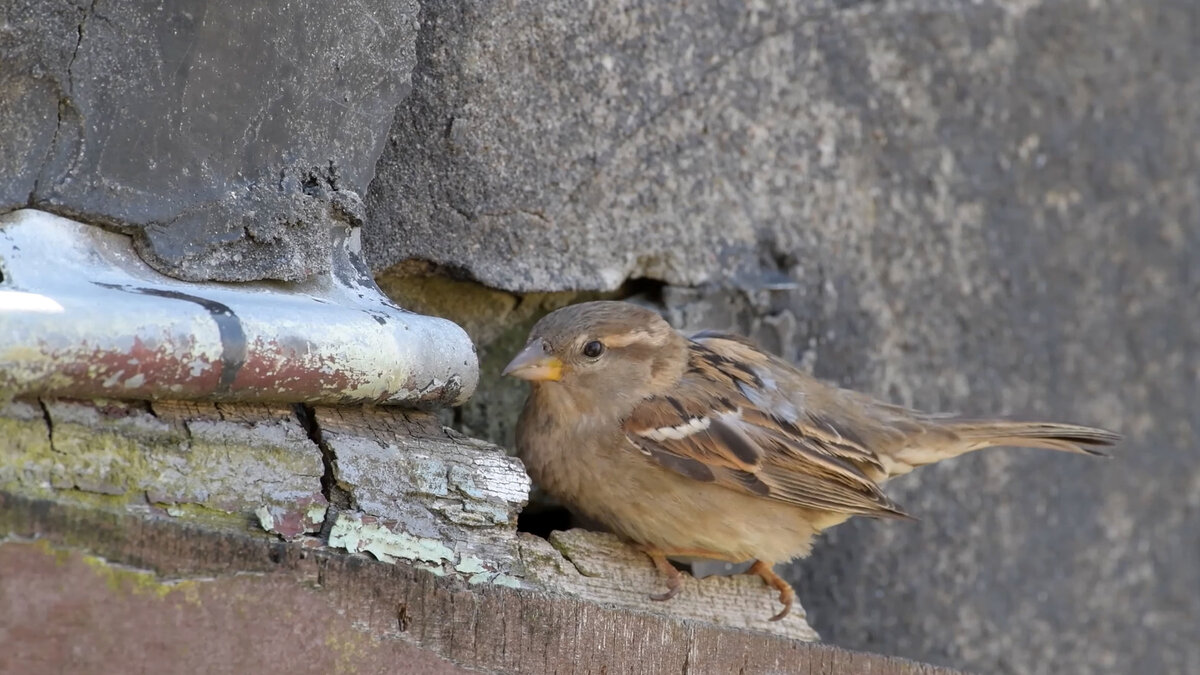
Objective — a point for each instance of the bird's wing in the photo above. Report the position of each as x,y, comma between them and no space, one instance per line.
750,422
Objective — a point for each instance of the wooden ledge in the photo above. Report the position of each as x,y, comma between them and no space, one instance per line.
157,594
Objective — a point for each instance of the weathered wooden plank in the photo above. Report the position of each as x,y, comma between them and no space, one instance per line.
307,610
66,612
600,568
448,500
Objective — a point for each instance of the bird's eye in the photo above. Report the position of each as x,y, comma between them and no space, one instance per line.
593,349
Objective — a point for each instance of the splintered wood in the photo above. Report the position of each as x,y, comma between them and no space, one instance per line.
466,588
599,567
384,458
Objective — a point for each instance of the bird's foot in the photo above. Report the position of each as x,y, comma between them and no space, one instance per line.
673,577
786,595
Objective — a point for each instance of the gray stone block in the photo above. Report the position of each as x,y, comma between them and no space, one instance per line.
215,132
982,207
37,40
688,142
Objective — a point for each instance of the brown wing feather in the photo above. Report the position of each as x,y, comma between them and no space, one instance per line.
728,422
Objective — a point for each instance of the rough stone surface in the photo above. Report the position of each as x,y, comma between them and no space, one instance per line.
988,208
38,42
685,142
232,140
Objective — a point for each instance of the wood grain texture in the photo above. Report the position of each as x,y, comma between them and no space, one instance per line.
460,496
600,568
411,491
461,586
486,628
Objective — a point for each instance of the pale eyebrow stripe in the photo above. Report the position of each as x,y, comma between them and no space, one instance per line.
626,339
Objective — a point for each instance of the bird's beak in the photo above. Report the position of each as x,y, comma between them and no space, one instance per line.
534,364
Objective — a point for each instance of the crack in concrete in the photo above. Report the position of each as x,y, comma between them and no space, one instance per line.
64,101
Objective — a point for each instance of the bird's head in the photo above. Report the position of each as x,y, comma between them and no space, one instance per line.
602,350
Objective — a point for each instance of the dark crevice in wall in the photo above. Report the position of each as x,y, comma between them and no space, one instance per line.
643,289
339,496
540,519
49,421
65,102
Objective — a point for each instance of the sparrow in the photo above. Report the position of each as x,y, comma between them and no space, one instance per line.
706,446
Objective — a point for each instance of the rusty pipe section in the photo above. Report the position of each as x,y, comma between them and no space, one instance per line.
82,316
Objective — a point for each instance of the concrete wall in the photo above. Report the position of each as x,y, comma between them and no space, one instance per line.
980,207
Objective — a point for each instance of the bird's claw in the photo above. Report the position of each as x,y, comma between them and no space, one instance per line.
673,588
786,595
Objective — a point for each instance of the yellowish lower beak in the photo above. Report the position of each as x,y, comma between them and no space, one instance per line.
535,365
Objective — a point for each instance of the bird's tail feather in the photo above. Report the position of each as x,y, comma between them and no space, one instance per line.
978,434
960,436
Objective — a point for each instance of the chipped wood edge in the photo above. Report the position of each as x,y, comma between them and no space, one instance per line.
599,567
486,628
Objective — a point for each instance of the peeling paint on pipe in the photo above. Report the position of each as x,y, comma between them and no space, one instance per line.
82,316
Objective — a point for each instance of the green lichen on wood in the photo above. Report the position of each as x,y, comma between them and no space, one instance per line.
121,579
114,455
201,514
104,461
25,448
350,648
